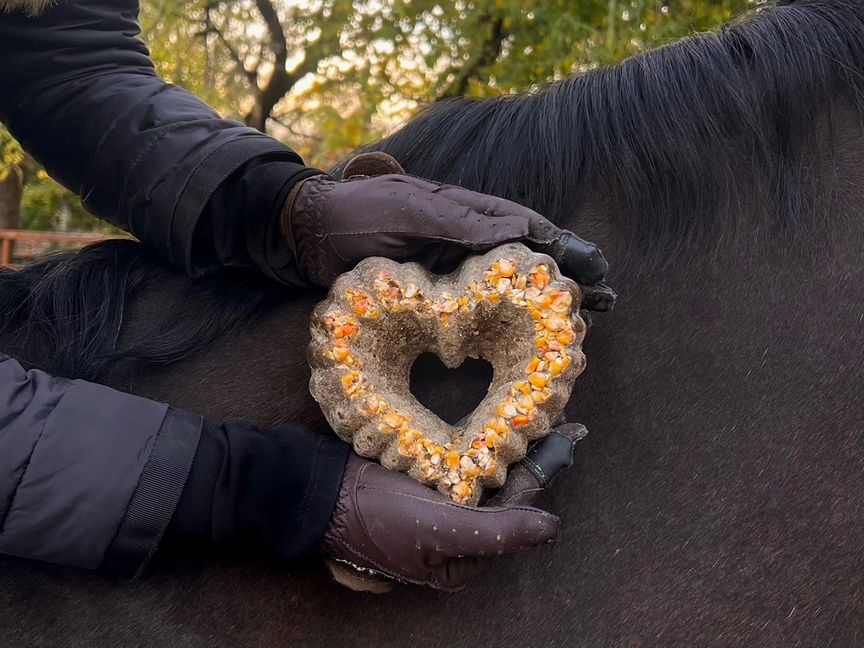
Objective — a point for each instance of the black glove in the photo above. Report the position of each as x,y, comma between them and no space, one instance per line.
332,225
386,524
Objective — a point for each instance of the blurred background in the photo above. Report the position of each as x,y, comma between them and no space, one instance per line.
326,76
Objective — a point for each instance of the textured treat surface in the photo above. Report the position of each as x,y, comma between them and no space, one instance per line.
509,306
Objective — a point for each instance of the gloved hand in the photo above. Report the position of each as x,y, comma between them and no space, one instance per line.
386,522
330,226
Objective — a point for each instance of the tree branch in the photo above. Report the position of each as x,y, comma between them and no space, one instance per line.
251,75
280,82
490,50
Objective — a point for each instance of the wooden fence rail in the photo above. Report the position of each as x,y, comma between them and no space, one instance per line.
7,236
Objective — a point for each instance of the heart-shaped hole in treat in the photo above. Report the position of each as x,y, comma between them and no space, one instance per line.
451,394
510,306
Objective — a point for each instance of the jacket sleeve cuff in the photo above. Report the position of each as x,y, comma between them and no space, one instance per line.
319,498
156,495
206,179
287,483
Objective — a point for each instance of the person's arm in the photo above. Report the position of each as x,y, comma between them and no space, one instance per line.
87,473
251,490
92,477
80,92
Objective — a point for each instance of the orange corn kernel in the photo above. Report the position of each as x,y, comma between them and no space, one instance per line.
506,268
538,380
521,420
350,378
452,460
394,419
561,301
558,365
506,409
556,323
525,403
566,337
540,278
341,354
463,489
541,396
522,387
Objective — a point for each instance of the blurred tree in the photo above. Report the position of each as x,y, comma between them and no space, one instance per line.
328,75
11,180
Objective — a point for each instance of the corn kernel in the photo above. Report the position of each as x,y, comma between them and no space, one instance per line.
539,279
562,301
506,268
556,323
538,380
541,396
394,420
507,410
522,387
526,402
462,489
566,337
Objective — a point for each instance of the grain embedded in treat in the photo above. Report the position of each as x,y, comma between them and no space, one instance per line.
510,306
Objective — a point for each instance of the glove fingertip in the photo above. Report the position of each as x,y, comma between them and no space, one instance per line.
537,527
598,297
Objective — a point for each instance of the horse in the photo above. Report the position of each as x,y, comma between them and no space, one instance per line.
716,500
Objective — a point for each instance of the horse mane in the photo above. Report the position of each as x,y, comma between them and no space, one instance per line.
664,133
64,312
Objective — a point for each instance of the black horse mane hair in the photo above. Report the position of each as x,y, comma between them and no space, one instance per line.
63,313
665,133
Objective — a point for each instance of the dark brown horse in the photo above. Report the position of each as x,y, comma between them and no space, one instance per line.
719,499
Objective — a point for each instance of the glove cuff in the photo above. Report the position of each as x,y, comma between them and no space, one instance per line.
304,227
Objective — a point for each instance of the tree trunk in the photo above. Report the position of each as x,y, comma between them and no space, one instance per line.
11,191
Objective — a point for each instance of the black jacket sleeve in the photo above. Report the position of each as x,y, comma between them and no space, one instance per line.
87,473
79,91
273,490
92,477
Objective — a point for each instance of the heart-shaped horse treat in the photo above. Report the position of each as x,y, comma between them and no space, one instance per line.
510,306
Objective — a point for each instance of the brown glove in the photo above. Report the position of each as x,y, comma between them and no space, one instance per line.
387,523
331,225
